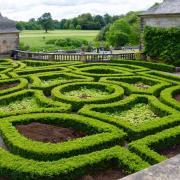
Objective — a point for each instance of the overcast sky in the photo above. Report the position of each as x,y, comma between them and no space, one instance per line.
26,9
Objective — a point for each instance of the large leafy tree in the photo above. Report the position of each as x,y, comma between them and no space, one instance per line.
118,34
46,21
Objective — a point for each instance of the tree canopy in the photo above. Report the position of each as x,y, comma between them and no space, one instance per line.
46,21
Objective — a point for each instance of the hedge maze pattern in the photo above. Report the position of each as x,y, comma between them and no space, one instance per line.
127,109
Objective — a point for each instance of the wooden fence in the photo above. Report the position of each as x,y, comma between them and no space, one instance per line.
70,57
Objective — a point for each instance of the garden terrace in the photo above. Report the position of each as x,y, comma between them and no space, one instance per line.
75,120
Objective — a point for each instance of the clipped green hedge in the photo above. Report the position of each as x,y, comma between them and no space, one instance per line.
102,71
152,65
32,70
38,84
3,76
115,93
127,67
100,135
162,76
169,116
148,147
163,44
19,168
21,84
46,104
127,83
167,96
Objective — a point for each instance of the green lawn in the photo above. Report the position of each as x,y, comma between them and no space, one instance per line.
35,38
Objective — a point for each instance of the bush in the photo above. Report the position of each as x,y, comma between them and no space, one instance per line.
163,44
169,116
147,147
167,96
152,65
114,93
99,135
67,42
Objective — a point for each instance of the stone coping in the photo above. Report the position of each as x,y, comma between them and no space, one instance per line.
166,170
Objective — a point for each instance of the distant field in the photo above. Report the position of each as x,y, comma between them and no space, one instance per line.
35,38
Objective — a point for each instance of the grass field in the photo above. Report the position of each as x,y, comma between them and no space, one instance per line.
36,39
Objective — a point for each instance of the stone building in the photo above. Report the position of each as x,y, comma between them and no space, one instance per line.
166,14
9,35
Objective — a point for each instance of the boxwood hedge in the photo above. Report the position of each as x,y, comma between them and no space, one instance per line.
41,95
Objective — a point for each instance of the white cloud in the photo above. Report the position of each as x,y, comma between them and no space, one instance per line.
26,9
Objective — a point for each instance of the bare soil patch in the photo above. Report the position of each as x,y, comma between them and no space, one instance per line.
7,86
177,97
172,151
48,133
110,174
4,178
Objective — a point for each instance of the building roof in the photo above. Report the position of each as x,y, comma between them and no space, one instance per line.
7,25
166,7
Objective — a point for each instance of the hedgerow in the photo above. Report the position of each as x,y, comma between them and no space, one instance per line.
102,71
38,81
166,113
168,97
45,104
100,135
163,44
19,168
151,65
126,67
24,73
112,104
128,83
115,93
148,147
162,76
20,84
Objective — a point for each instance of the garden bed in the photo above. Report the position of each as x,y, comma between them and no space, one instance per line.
79,121
7,86
171,151
177,97
48,133
109,174
139,113
86,93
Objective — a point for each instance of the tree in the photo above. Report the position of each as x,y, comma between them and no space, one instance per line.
121,25
119,33
107,19
46,21
99,20
78,27
19,26
117,38
71,26
102,34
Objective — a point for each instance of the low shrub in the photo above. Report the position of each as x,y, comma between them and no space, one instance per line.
44,104
167,115
152,85
17,85
115,93
152,65
148,147
19,168
68,43
168,97
100,135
